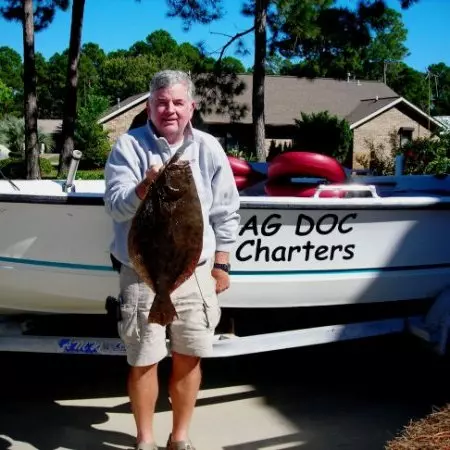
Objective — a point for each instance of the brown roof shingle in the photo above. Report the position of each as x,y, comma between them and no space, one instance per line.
287,96
368,107
122,104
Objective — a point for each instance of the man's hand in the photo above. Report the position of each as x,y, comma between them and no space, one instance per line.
222,280
150,176
153,172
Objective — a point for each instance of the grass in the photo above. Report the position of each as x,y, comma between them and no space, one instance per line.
52,157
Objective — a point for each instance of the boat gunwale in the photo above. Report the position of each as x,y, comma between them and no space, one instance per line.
256,203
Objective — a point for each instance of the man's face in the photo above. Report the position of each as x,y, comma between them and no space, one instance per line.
170,110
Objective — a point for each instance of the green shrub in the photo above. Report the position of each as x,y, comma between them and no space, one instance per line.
46,166
325,134
13,168
90,137
16,155
17,168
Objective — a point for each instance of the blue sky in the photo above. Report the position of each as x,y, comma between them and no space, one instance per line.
115,24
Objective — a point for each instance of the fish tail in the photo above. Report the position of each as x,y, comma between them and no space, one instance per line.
162,311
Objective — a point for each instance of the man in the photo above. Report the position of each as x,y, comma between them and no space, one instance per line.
133,164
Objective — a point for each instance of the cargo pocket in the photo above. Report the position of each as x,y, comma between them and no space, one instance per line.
207,286
127,327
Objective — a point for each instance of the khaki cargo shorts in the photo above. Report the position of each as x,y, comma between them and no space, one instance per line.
191,333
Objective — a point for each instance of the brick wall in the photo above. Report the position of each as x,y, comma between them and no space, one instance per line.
121,123
378,131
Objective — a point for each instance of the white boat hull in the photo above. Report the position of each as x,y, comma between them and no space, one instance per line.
54,250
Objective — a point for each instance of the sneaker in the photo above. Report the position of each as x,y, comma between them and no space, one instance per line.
146,446
178,445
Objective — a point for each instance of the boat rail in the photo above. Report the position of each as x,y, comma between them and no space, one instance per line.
347,188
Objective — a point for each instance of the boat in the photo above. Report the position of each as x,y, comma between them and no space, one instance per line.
384,242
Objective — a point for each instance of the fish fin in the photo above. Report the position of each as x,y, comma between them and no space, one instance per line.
162,311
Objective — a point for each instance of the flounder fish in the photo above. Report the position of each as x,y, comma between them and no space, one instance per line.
166,235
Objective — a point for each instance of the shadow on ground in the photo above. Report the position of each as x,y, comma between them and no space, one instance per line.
341,396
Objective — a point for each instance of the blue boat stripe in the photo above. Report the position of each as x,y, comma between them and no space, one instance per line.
57,264
342,271
94,267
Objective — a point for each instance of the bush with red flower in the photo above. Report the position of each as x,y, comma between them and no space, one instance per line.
427,155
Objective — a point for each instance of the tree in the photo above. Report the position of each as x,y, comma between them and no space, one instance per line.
387,46
6,99
259,73
439,79
158,43
32,20
232,65
70,104
127,76
292,23
360,42
56,71
277,65
11,68
409,83
323,133
90,137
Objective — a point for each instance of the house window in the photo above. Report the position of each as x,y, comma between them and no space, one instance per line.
406,135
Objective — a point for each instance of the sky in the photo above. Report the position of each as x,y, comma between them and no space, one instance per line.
117,24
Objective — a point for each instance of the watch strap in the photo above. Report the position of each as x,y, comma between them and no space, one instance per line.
224,267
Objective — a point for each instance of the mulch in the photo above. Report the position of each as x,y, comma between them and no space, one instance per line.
430,433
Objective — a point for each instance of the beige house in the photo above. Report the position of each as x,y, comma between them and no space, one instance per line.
374,111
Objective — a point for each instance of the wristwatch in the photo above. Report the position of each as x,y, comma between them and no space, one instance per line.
224,267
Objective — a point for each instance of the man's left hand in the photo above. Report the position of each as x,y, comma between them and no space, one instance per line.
222,280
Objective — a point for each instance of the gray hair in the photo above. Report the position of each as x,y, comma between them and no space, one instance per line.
168,78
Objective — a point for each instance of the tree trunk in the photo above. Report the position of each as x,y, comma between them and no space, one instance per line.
30,103
259,73
70,104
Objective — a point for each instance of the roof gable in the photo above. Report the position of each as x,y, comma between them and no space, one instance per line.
287,96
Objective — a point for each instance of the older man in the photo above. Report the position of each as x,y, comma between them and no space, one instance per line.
133,164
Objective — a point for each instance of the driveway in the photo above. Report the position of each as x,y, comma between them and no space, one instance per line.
351,396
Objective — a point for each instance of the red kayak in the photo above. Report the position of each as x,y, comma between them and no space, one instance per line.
240,167
293,164
297,164
244,175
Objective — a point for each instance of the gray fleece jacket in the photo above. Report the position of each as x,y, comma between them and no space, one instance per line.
135,151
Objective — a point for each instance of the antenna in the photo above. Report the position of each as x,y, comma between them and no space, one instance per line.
428,77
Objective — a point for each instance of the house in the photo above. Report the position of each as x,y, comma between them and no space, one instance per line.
49,126
373,110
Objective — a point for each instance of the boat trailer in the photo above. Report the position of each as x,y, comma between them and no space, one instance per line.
432,327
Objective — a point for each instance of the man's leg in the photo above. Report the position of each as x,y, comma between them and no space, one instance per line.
192,336
145,345
183,389
143,391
